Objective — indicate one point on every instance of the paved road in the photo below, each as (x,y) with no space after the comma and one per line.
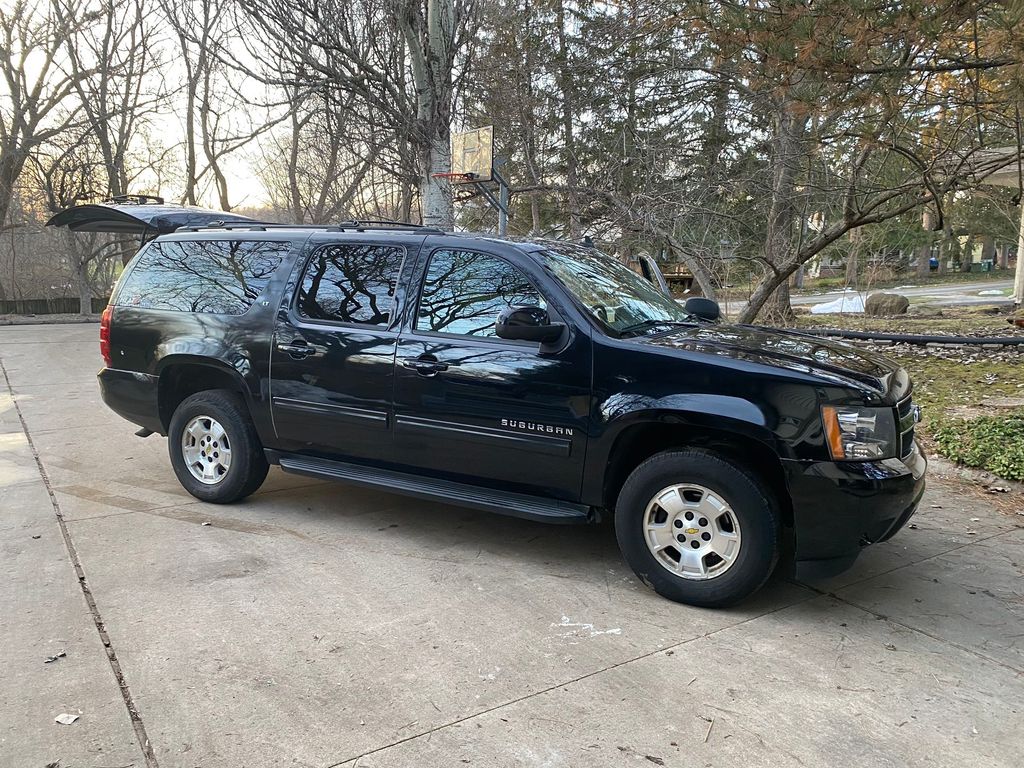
(323,625)
(943,295)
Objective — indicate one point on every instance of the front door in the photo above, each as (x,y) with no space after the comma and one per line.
(332,368)
(479,409)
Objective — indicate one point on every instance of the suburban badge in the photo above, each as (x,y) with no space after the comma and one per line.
(533,426)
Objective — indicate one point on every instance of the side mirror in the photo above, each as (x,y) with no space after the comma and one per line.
(705,309)
(527,324)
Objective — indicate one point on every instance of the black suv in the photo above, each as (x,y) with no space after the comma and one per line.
(532,378)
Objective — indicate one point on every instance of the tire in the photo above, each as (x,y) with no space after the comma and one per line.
(211,414)
(740,519)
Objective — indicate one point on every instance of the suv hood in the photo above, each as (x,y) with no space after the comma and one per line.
(833,360)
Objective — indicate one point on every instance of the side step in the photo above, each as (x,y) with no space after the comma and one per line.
(490,500)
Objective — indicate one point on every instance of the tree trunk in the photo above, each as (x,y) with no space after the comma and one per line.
(769,297)
(191,163)
(924,252)
(856,237)
(12,161)
(1018,275)
(572,200)
(789,130)
(405,198)
(967,257)
(988,248)
(294,194)
(431,65)
(84,289)
(1004,255)
(435,194)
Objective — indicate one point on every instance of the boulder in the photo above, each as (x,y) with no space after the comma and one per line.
(886,304)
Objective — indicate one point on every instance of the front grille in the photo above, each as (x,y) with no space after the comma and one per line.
(905,420)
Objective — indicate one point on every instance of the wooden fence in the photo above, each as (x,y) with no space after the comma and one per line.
(61,306)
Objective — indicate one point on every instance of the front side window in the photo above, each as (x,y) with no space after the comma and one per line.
(621,299)
(351,283)
(221,277)
(464,291)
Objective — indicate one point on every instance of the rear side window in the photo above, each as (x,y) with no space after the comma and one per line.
(350,283)
(220,277)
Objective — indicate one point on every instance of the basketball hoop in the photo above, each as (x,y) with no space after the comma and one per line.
(473,166)
(455,178)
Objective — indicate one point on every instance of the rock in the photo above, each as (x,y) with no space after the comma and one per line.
(886,304)
(924,310)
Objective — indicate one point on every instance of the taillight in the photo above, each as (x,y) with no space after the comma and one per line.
(105,335)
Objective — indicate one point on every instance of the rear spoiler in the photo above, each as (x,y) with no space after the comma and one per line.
(139,215)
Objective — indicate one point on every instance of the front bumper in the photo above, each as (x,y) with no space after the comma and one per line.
(132,396)
(841,507)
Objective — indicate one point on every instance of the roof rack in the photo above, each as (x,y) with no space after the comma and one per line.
(356,225)
(136,200)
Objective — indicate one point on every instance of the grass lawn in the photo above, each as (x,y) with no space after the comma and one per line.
(740,290)
(952,322)
(838,283)
(973,403)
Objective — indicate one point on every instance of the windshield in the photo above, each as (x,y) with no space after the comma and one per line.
(613,293)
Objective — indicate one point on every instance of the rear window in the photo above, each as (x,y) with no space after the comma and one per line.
(220,277)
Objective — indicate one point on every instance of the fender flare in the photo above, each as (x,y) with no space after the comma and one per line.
(208,355)
(733,416)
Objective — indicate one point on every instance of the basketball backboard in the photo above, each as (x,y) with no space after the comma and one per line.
(473,153)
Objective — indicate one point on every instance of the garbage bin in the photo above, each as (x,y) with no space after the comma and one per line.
(986,265)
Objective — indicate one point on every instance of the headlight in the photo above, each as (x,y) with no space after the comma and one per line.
(859,434)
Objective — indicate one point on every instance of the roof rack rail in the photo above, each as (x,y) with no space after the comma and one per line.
(136,199)
(358,225)
(382,222)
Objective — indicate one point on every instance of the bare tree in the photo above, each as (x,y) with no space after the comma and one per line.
(319,161)
(364,48)
(71,169)
(114,70)
(34,97)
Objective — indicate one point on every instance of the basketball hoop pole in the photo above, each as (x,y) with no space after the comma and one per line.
(503,195)
(499,203)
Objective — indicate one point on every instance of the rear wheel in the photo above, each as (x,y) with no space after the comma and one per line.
(214,448)
(697,527)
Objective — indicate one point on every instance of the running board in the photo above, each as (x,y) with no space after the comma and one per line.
(432,488)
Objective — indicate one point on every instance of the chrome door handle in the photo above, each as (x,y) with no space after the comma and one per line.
(298,349)
(425,367)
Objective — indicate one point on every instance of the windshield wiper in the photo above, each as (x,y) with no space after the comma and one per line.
(645,324)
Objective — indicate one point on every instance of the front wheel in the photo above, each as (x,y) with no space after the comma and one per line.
(697,528)
(214,448)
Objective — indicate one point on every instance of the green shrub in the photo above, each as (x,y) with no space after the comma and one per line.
(993,443)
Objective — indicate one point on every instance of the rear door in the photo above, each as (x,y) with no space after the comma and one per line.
(332,370)
(478,409)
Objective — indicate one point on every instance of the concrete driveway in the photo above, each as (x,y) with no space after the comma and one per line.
(323,625)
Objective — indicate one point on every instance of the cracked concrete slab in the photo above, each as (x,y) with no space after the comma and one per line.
(818,684)
(311,641)
(43,614)
(973,596)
